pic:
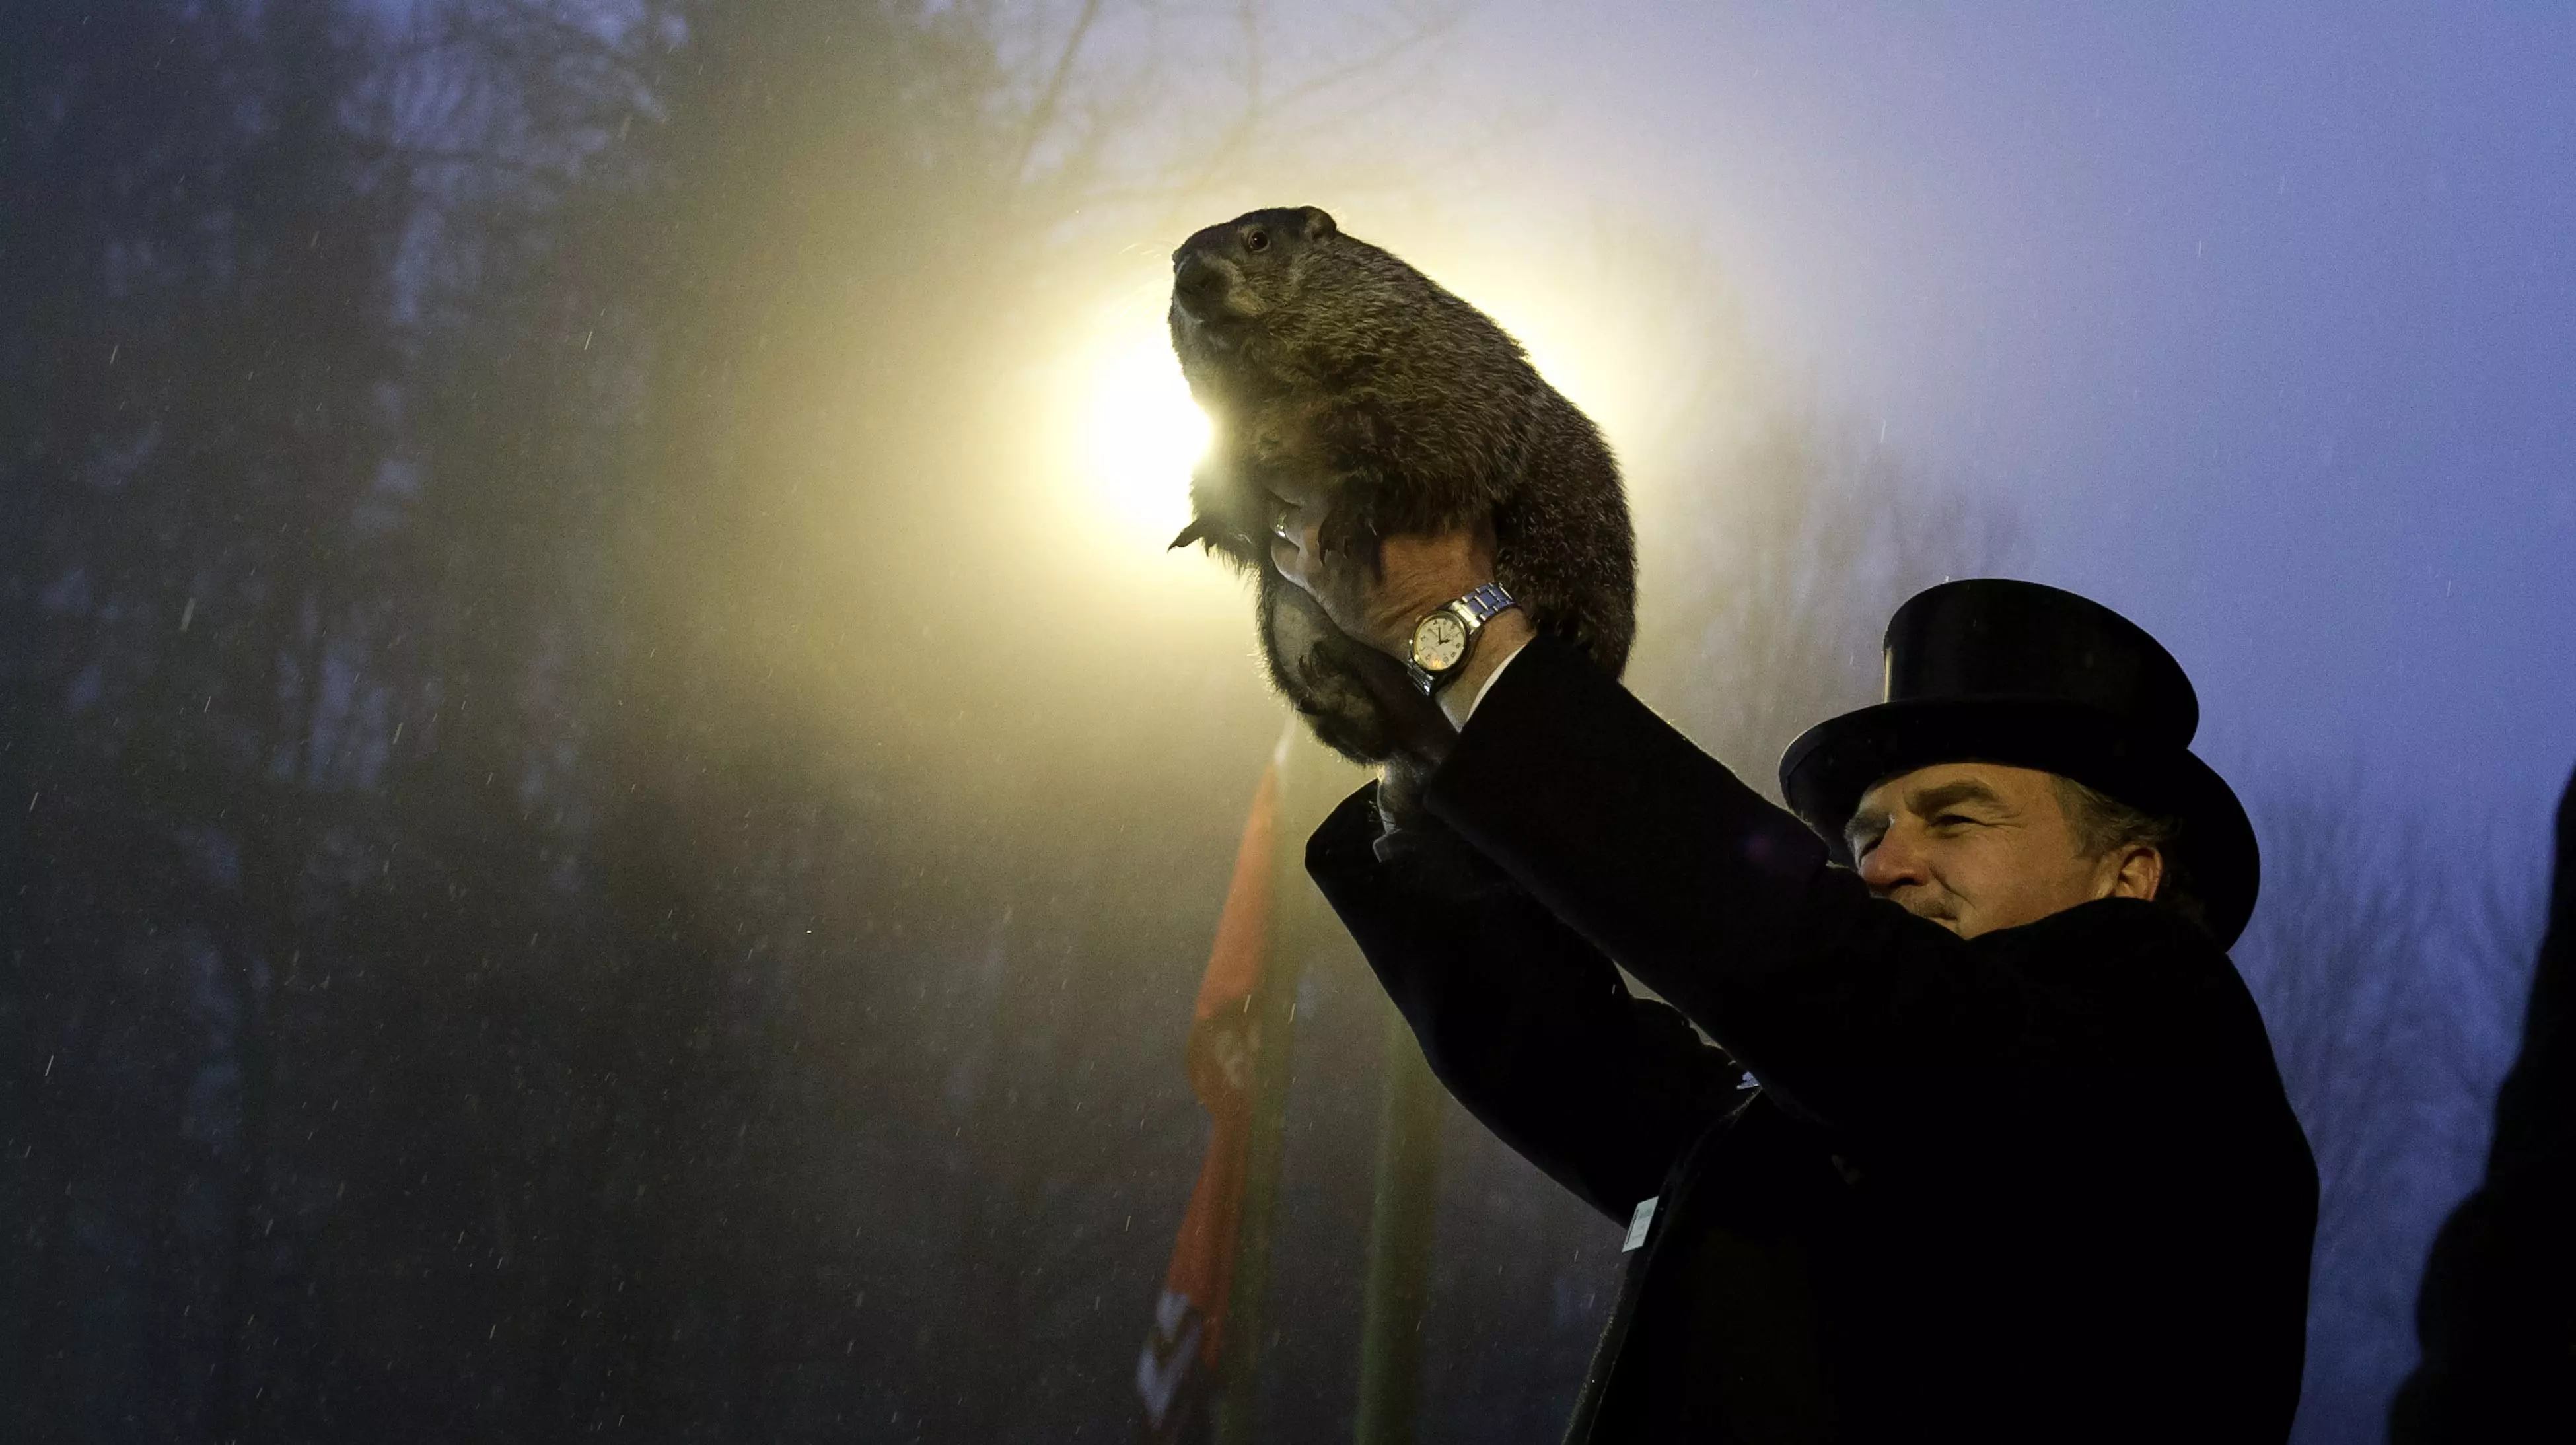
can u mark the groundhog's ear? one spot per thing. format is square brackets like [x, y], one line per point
[1319, 223]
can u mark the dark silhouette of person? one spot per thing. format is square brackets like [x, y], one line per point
[2497, 1315]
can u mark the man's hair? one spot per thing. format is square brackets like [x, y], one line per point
[2103, 823]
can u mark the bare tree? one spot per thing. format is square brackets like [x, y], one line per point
[1776, 534]
[2386, 958]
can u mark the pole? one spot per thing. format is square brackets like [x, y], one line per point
[1398, 1286]
[1274, 1005]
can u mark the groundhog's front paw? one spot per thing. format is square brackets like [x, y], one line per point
[1226, 515]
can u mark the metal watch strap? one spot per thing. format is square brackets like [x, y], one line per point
[1481, 604]
[1475, 609]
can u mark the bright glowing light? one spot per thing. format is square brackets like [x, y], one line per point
[1144, 432]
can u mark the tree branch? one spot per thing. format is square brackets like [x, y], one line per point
[1042, 114]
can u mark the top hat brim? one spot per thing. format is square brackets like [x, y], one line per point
[1824, 773]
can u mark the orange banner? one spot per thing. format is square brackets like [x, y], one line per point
[1177, 1369]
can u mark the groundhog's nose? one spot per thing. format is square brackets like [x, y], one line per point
[1199, 285]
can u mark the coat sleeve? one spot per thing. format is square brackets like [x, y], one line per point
[1845, 1006]
[1528, 1026]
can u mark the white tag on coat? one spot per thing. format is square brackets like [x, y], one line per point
[1639, 1223]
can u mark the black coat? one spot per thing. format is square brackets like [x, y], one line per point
[2043, 1184]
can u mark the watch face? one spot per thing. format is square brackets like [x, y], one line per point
[1439, 641]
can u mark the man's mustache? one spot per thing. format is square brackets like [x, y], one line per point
[1925, 901]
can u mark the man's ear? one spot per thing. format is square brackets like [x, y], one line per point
[2142, 871]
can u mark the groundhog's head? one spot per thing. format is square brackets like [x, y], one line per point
[1227, 276]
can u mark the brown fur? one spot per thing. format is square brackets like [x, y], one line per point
[1319, 355]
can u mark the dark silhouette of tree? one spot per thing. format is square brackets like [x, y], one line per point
[196, 422]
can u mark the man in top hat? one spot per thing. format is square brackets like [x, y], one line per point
[1990, 1144]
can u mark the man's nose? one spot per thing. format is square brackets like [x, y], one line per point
[1892, 863]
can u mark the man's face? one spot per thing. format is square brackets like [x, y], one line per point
[1979, 846]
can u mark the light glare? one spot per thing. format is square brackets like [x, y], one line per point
[1145, 432]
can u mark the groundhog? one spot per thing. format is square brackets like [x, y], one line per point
[1316, 353]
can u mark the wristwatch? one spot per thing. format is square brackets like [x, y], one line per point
[1443, 640]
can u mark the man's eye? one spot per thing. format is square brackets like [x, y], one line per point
[1947, 820]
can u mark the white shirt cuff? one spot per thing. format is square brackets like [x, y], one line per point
[1490, 679]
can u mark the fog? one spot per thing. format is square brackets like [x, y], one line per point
[624, 805]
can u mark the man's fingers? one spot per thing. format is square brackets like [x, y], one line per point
[1291, 563]
[1296, 549]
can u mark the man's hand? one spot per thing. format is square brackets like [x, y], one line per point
[1415, 575]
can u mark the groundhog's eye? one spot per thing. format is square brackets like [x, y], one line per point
[1256, 240]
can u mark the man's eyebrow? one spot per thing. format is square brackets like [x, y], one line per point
[1869, 821]
[1950, 795]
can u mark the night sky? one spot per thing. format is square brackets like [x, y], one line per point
[2264, 317]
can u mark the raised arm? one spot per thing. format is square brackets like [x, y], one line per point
[1528, 1025]
[1846, 1006]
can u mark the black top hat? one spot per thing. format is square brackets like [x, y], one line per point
[1990, 670]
